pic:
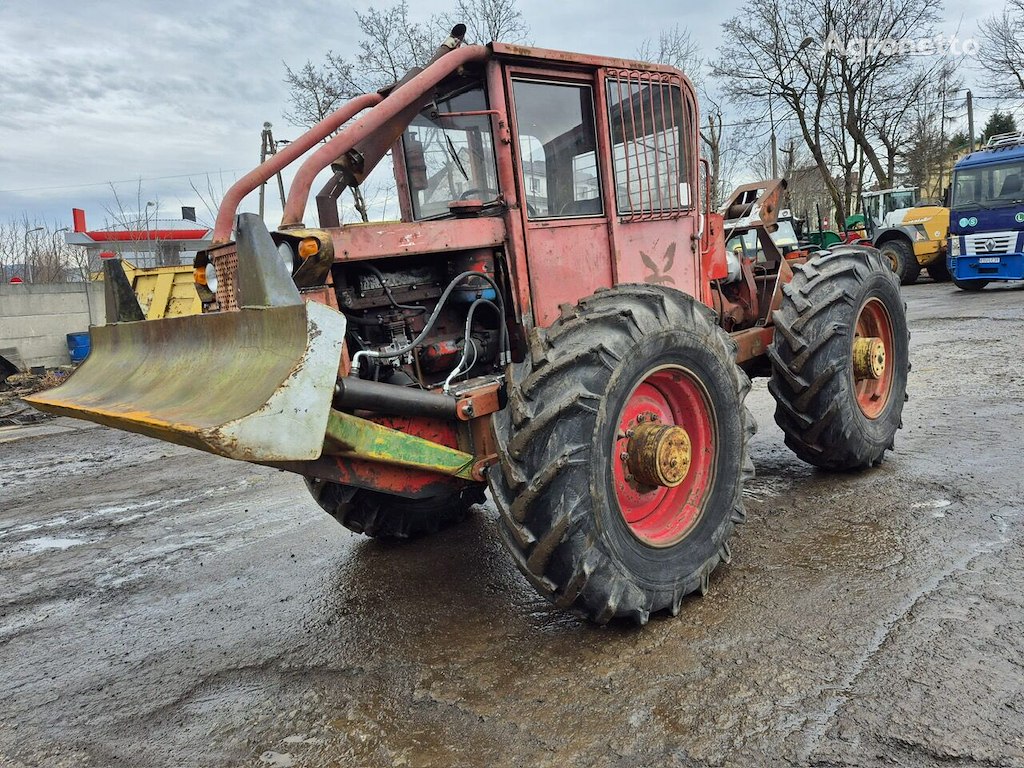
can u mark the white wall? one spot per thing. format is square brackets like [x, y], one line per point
[35, 319]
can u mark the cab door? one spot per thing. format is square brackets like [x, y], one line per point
[559, 176]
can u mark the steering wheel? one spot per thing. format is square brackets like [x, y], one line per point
[476, 192]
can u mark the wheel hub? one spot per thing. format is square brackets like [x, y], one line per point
[659, 454]
[868, 358]
[664, 455]
[872, 358]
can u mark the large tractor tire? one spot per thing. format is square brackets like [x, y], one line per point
[384, 516]
[840, 359]
[623, 453]
[939, 271]
[900, 255]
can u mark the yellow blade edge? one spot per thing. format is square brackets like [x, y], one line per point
[254, 385]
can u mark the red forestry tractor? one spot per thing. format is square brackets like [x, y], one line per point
[556, 317]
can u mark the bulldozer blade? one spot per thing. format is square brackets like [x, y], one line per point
[254, 384]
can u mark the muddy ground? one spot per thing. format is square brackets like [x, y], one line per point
[160, 607]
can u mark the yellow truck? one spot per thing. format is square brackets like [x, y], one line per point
[912, 234]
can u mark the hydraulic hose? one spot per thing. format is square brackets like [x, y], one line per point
[378, 355]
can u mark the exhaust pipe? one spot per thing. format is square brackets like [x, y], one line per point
[361, 395]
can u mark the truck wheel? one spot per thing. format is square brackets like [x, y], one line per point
[939, 271]
[840, 359]
[900, 255]
[623, 453]
[385, 516]
[970, 285]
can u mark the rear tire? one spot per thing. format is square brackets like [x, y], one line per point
[588, 535]
[939, 271]
[900, 256]
[970, 285]
[385, 516]
[833, 419]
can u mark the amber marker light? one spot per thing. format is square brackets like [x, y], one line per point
[309, 246]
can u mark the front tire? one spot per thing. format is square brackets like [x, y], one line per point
[899, 254]
[970, 285]
[598, 531]
[385, 516]
[839, 411]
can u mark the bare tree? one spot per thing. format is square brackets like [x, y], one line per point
[677, 48]
[488, 20]
[137, 217]
[35, 251]
[10, 250]
[766, 61]
[393, 42]
[851, 52]
[315, 91]
[1001, 52]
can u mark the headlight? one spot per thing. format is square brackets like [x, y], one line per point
[287, 256]
[954, 246]
[211, 277]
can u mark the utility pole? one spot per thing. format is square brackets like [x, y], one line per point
[970, 117]
[268, 146]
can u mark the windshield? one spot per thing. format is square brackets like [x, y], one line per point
[879, 205]
[449, 156]
[904, 198]
[988, 186]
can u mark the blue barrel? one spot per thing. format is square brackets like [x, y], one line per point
[79, 345]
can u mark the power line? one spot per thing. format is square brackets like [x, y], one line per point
[122, 181]
[949, 104]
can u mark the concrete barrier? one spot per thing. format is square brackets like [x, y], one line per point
[35, 319]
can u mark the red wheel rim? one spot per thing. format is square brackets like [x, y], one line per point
[656, 515]
[873, 394]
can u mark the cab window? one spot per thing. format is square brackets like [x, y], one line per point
[649, 129]
[557, 149]
[449, 155]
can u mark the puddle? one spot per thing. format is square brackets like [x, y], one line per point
[935, 505]
[277, 759]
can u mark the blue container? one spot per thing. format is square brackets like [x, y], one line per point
[79, 345]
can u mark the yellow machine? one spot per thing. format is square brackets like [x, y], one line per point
[912, 234]
[164, 291]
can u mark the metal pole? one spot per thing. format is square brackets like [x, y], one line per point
[263, 158]
[970, 117]
[273, 150]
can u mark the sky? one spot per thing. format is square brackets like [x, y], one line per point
[153, 99]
